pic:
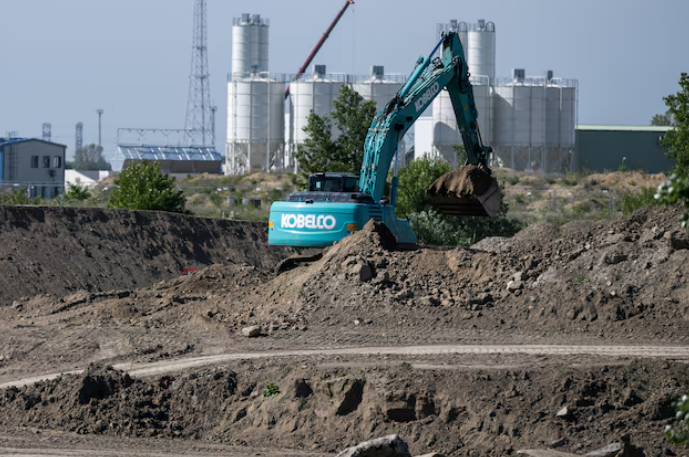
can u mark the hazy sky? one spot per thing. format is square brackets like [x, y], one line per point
[63, 59]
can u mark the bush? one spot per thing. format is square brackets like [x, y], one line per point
[631, 201]
[144, 187]
[675, 190]
[414, 179]
[513, 180]
[432, 228]
[77, 193]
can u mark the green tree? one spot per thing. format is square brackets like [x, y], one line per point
[77, 193]
[351, 116]
[662, 120]
[90, 157]
[677, 140]
[144, 187]
[460, 154]
[414, 179]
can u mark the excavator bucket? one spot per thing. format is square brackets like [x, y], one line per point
[466, 191]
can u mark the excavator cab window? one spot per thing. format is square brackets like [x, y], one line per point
[322, 183]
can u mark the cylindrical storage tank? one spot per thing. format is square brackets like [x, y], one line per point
[560, 114]
[249, 46]
[481, 56]
[315, 94]
[255, 122]
[519, 133]
[378, 88]
[446, 134]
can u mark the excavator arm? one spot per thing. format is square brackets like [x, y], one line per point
[429, 78]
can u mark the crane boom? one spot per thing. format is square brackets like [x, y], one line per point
[318, 46]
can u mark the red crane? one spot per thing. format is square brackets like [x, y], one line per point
[320, 44]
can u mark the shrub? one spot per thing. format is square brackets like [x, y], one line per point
[77, 193]
[144, 187]
[513, 180]
[631, 201]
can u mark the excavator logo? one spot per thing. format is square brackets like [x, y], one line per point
[309, 221]
[427, 96]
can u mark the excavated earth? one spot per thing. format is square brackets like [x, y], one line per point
[82, 286]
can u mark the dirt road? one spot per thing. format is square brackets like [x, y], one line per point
[169, 366]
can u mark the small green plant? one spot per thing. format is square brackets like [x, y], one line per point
[631, 201]
[631, 182]
[521, 199]
[571, 179]
[678, 432]
[622, 168]
[581, 278]
[675, 190]
[550, 180]
[582, 208]
[271, 390]
[513, 180]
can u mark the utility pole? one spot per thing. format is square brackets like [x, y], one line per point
[213, 110]
[100, 138]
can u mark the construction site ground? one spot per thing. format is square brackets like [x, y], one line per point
[464, 351]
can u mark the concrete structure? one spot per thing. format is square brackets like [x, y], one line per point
[423, 137]
[33, 164]
[605, 148]
[88, 178]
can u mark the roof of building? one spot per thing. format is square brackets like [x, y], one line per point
[626, 128]
[169, 153]
[11, 141]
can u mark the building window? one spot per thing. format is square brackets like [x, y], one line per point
[56, 191]
[46, 161]
[34, 161]
[57, 162]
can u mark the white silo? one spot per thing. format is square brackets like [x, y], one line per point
[313, 93]
[519, 133]
[481, 44]
[255, 124]
[446, 134]
[560, 123]
[378, 86]
[249, 45]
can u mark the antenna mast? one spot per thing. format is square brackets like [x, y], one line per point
[198, 123]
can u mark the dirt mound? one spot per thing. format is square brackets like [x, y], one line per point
[62, 250]
[494, 413]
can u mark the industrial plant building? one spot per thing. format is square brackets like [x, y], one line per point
[35, 165]
[528, 120]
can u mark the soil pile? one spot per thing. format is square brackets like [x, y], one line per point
[63, 250]
[494, 413]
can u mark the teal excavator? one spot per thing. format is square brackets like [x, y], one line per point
[338, 204]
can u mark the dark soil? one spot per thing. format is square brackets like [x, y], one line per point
[63, 250]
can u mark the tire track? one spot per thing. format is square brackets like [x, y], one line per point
[168, 366]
